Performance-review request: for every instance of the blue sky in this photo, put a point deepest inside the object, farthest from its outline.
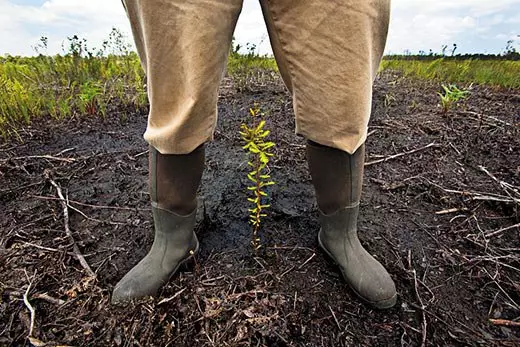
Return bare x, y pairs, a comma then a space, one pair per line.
475, 25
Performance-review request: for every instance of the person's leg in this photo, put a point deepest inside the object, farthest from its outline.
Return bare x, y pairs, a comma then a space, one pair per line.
331, 52
183, 47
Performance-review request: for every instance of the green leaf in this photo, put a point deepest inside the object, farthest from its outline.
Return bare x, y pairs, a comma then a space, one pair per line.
260, 126
265, 184
264, 133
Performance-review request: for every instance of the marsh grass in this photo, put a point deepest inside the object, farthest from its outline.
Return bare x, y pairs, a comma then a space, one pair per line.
499, 72
80, 81
88, 82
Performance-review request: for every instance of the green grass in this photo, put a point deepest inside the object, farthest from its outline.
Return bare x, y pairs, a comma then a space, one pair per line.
84, 82
87, 82
504, 73
60, 86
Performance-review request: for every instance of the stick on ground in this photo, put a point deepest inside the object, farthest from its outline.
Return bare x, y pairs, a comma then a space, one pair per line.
30, 308
433, 144
75, 247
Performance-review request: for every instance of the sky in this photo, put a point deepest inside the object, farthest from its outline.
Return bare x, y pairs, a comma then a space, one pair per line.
476, 26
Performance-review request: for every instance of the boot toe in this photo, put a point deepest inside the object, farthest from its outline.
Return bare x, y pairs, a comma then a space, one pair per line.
374, 284
129, 289
381, 298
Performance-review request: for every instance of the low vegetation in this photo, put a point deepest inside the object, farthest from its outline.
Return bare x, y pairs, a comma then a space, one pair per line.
450, 96
89, 81
499, 72
259, 153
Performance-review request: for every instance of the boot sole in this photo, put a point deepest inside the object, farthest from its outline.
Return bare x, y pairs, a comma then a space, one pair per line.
381, 305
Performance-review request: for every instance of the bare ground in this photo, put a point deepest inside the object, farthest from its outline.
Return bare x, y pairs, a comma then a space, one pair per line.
440, 210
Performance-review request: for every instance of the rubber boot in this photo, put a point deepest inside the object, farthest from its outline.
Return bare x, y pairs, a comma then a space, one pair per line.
337, 178
174, 180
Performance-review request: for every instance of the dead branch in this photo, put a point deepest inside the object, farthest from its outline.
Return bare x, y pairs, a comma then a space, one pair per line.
335, 319
45, 156
48, 298
90, 218
371, 132
30, 308
483, 196
480, 115
512, 302
308, 260
75, 247
504, 322
424, 323
433, 144
509, 189
499, 231
90, 205
172, 297
451, 210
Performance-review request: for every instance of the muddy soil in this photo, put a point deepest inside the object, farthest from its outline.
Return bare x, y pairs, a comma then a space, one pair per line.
440, 210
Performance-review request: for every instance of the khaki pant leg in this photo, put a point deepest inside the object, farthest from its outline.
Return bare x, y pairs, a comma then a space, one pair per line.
183, 47
330, 51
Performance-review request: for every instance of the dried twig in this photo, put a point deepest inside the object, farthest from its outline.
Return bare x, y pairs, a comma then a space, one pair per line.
451, 210
499, 231
30, 308
172, 297
512, 191
371, 132
142, 153
335, 319
90, 205
433, 144
479, 115
483, 196
75, 247
308, 260
45, 156
48, 298
90, 218
505, 322
424, 323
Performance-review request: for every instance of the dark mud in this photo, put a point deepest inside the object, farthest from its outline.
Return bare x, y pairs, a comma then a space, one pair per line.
441, 219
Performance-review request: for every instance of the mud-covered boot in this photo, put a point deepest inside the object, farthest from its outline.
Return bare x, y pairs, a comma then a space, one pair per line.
337, 178
174, 180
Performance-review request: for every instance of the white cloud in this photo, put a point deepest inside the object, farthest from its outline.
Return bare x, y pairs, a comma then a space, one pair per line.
430, 24
21, 26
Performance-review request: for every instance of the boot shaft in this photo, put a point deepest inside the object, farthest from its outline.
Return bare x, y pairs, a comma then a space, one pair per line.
337, 176
175, 178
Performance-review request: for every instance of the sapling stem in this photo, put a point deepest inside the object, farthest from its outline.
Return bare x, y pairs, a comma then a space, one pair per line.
259, 148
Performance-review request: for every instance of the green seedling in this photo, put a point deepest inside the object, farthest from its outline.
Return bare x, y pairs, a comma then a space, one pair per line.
451, 96
389, 100
89, 95
259, 153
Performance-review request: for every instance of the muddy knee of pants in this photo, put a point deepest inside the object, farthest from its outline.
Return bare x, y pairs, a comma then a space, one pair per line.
328, 53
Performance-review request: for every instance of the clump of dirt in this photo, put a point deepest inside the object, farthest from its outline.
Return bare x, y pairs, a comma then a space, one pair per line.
439, 210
